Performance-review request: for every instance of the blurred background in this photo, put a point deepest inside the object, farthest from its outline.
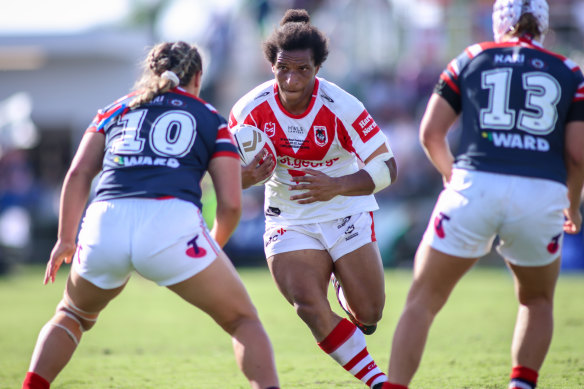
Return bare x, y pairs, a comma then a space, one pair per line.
61, 60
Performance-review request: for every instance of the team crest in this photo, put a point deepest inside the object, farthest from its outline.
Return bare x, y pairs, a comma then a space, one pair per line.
320, 135
270, 129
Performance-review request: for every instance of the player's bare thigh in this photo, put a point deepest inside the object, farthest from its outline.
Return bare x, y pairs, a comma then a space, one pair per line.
218, 291
360, 273
86, 296
303, 276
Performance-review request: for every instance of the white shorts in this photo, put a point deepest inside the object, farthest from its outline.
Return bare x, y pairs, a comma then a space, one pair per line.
338, 237
526, 213
165, 241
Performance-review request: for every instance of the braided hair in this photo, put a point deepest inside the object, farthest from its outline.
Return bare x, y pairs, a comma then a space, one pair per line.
296, 33
168, 65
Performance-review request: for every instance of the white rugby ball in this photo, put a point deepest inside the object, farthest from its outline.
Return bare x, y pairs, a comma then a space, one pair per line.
250, 141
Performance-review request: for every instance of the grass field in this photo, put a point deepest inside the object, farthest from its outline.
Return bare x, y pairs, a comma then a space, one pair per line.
148, 338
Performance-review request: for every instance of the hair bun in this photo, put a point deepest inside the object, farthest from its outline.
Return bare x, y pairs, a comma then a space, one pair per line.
295, 16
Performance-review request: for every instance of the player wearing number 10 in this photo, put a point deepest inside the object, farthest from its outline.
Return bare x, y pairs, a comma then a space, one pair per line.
518, 175
152, 147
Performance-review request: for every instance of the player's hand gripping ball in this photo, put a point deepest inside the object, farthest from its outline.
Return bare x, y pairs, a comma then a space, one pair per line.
250, 141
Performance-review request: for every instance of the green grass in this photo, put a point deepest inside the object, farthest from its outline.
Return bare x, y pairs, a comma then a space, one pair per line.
149, 338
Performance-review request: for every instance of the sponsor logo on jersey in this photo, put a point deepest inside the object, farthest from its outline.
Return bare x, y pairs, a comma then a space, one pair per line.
320, 135
438, 224
554, 244
365, 126
298, 163
194, 251
157, 100
295, 130
326, 97
509, 59
273, 211
270, 129
145, 160
261, 95
517, 141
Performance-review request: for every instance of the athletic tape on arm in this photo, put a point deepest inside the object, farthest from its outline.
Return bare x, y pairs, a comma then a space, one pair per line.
379, 171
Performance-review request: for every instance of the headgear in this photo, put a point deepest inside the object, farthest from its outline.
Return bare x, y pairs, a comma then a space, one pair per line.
506, 14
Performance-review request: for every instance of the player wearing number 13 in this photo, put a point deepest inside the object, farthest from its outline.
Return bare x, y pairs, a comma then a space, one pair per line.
518, 175
152, 147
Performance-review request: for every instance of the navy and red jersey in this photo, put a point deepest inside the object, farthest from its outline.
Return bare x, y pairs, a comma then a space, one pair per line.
160, 149
515, 99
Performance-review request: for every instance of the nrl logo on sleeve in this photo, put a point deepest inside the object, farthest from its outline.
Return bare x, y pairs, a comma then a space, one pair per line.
320, 135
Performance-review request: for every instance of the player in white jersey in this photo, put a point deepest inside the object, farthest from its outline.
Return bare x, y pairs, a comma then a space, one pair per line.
526, 192
331, 158
152, 149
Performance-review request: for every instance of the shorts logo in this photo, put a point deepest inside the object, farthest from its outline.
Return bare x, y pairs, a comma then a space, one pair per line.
343, 222
194, 251
274, 238
554, 245
78, 253
438, 227
320, 135
270, 129
350, 232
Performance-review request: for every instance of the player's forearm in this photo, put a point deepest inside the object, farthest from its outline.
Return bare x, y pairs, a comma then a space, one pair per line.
226, 221
74, 196
575, 182
438, 152
359, 183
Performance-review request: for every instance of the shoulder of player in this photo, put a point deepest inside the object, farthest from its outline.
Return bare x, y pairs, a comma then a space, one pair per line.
252, 99
338, 100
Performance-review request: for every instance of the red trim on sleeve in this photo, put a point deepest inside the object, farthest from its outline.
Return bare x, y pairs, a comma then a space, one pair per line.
450, 83
225, 154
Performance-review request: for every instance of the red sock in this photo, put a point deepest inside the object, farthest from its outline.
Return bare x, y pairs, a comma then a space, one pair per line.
389, 385
522, 376
35, 381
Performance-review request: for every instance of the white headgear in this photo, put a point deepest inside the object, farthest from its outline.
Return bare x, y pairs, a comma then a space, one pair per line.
506, 14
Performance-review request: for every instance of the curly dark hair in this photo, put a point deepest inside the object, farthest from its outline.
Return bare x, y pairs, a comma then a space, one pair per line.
296, 33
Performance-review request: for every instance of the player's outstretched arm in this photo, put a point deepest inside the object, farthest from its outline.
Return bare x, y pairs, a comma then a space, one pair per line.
575, 168
226, 175
76, 187
436, 122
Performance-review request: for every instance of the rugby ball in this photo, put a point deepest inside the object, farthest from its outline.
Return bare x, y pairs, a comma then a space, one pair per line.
250, 141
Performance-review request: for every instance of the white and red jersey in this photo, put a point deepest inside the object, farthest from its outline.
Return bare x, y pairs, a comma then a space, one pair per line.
331, 136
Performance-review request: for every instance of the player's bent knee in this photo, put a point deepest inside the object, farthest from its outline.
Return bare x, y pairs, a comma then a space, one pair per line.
68, 323
233, 325
369, 317
72, 314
